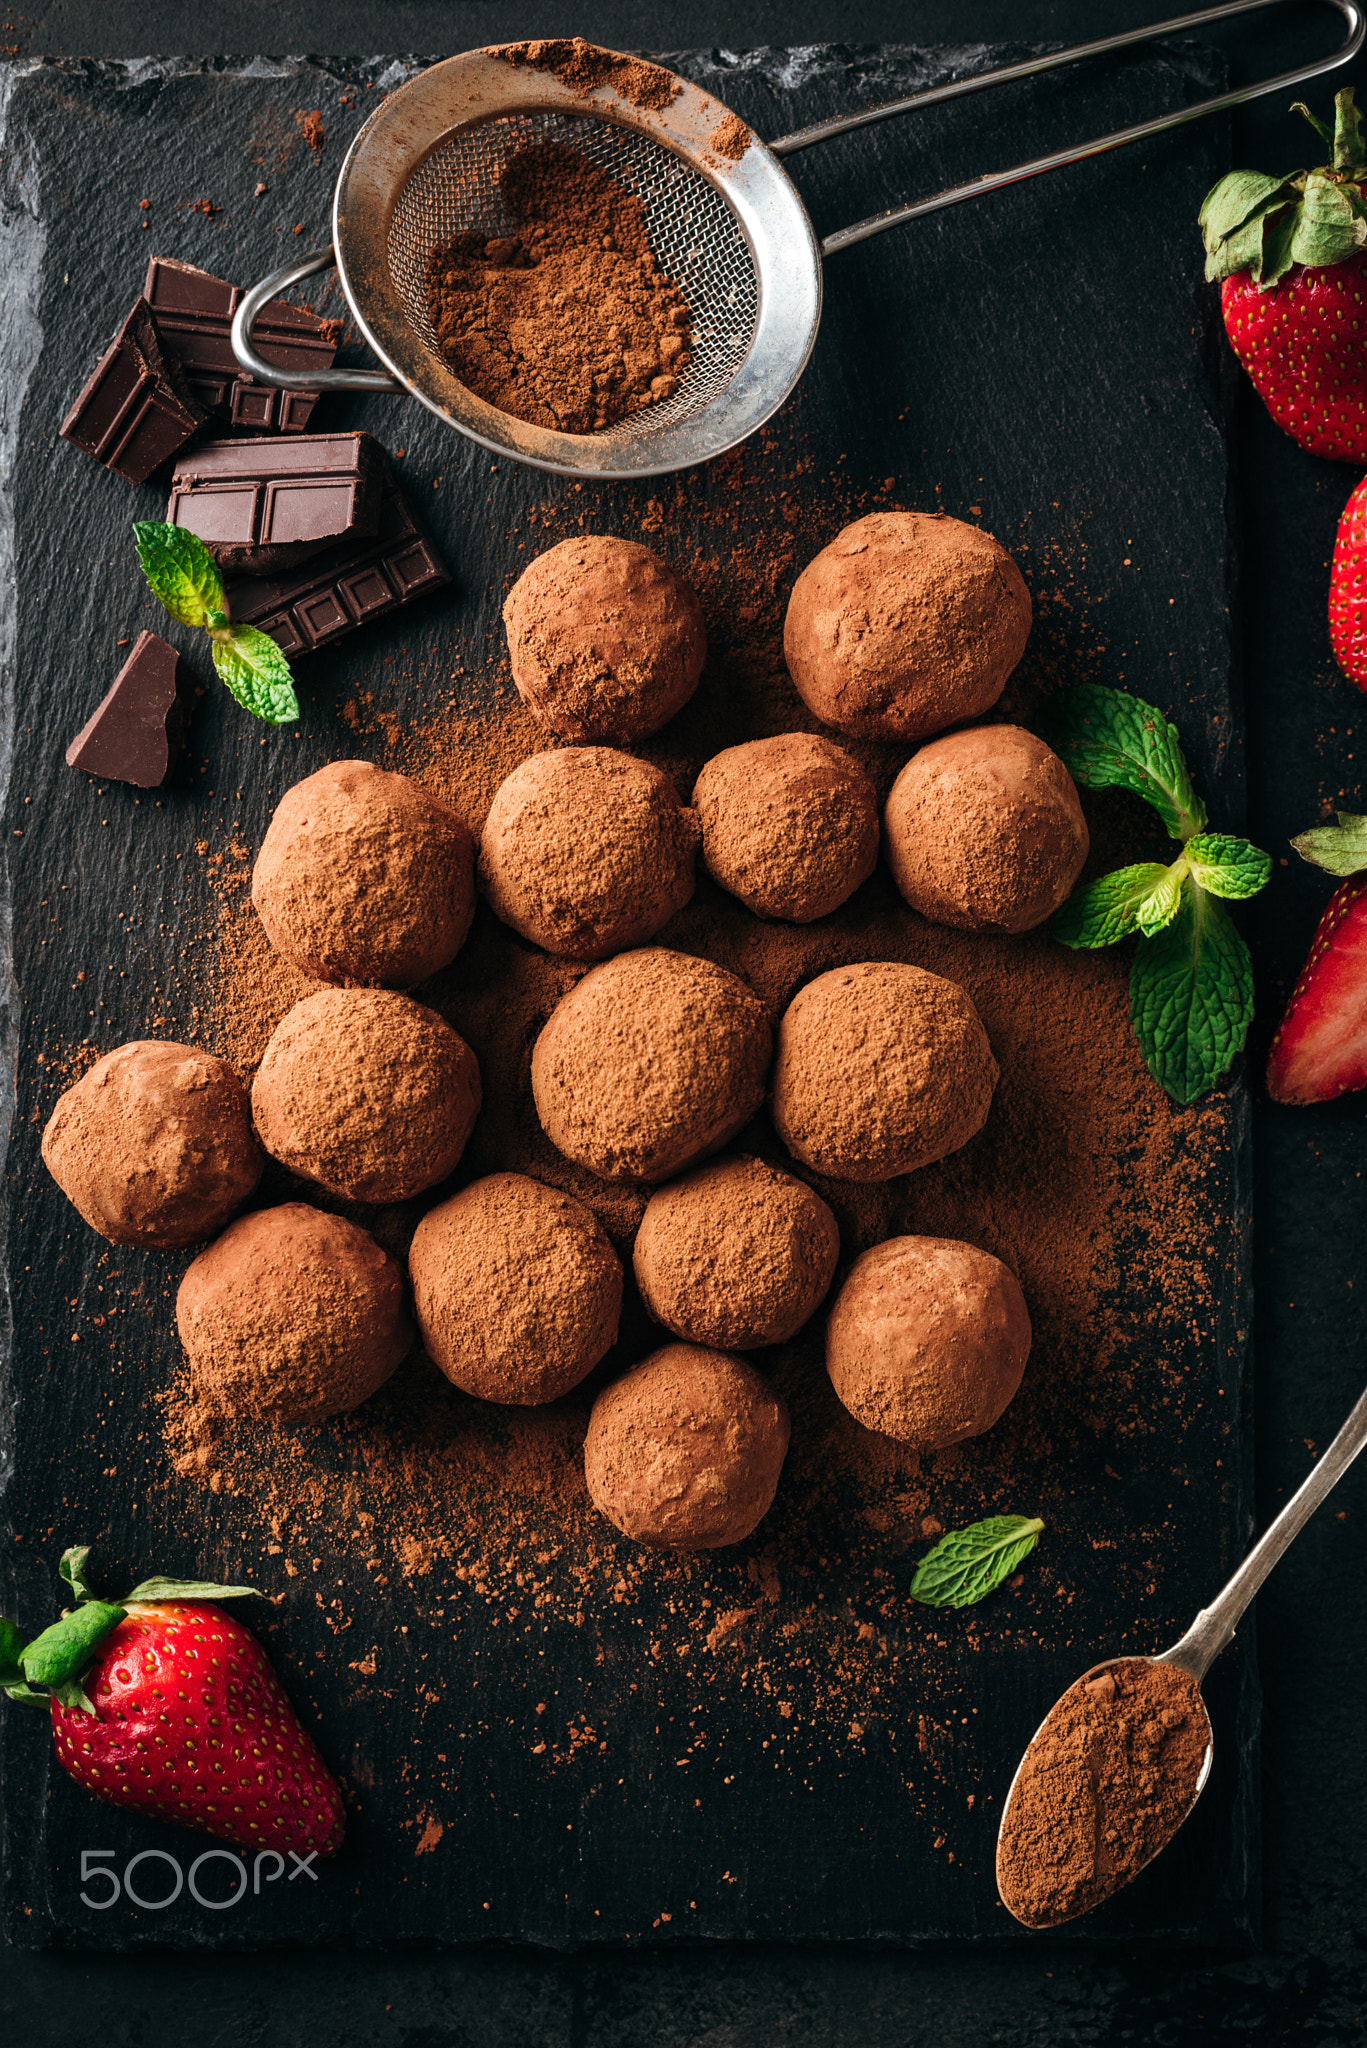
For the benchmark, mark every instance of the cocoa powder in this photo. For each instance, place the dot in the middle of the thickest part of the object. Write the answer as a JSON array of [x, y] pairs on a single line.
[[1105, 1785], [569, 323], [588, 68]]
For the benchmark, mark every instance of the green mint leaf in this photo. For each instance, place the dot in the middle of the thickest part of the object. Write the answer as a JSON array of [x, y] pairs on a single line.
[[188, 1589], [1227, 866], [1106, 910], [11, 1649], [63, 1651], [1161, 905], [1110, 740], [180, 569], [968, 1564], [256, 672], [72, 1570], [1191, 997], [1340, 849]]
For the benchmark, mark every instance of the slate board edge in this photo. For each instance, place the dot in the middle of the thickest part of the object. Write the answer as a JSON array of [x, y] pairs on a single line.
[[17, 324]]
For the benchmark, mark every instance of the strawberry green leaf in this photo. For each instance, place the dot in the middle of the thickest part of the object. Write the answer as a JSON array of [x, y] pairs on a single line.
[[1341, 848], [1329, 227], [180, 570], [63, 1651], [1239, 198], [256, 672], [1191, 997], [1108, 739], [1321, 128], [189, 1589], [72, 1694], [72, 1569], [968, 1564], [1106, 910], [11, 1648], [1349, 151], [1227, 866]]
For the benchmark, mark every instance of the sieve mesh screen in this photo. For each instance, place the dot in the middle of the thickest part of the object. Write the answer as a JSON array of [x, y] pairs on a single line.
[[693, 232]]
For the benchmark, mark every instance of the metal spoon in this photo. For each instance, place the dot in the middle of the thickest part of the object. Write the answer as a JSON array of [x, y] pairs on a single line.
[[1214, 1626]]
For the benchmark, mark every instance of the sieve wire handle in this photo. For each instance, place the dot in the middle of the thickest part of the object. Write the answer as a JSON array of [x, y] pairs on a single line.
[[821, 131], [297, 380]]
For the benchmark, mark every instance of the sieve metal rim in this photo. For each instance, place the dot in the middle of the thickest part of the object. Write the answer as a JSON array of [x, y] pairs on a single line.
[[473, 89]]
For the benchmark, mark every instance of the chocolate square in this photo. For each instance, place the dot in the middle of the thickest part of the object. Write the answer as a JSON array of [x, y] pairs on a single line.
[[134, 411], [134, 733]]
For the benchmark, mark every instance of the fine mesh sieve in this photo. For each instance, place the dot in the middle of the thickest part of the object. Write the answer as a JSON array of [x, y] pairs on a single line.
[[734, 236]]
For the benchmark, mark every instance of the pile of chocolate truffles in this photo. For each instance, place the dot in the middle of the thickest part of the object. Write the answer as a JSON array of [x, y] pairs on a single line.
[[652, 1064]]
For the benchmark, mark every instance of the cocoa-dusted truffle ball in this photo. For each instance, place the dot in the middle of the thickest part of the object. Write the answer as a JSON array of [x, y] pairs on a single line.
[[607, 643], [985, 831], [654, 1060], [790, 825], [927, 1340], [737, 1254], [368, 1093], [517, 1289], [154, 1144], [908, 622], [684, 1453], [586, 851], [881, 1068], [363, 876], [292, 1316]]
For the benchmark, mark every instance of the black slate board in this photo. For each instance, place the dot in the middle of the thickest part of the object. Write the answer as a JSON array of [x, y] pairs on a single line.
[[1008, 354]]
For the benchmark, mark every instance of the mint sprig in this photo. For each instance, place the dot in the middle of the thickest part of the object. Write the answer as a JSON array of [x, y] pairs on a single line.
[[1191, 985], [968, 1564], [184, 576]]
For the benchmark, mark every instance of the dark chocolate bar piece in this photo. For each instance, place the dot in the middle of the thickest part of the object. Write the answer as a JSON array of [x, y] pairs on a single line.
[[134, 734], [344, 588], [268, 504], [194, 315], [135, 411]]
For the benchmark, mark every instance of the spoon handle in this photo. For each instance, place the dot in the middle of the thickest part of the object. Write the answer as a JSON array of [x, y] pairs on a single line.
[[1214, 1626]]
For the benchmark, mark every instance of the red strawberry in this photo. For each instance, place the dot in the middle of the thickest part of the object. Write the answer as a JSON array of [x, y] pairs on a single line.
[[1321, 1045], [1348, 590], [168, 1705], [1292, 257], [1304, 344]]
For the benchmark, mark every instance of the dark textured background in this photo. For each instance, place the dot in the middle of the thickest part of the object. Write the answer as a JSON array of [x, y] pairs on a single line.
[[1307, 1980]]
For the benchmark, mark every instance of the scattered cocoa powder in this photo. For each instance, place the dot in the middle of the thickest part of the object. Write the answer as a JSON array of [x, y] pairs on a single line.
[[309, 122], [730, 138], [588, 68], [569, 323], [1105, 1784]]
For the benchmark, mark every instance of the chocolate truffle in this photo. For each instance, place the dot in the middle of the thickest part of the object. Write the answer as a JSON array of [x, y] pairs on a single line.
[[985, 831], [654, 1060], [607, 643], [154, 1144], [927, 1340], [790, 825], [517, 1289], [908, 622], [368, 1093], [292, 1316], [736, 1254], [586, 852], [684, 1453], [881, 1068], [364, 877]]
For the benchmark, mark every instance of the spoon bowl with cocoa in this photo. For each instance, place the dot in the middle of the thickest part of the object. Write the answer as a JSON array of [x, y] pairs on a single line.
[[1120, 1760]]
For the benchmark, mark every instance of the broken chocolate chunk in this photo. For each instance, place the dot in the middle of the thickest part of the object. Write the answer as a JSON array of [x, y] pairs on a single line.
[[134, 734], [343, 588], [194, 315], [135, 410], [269, 504]]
